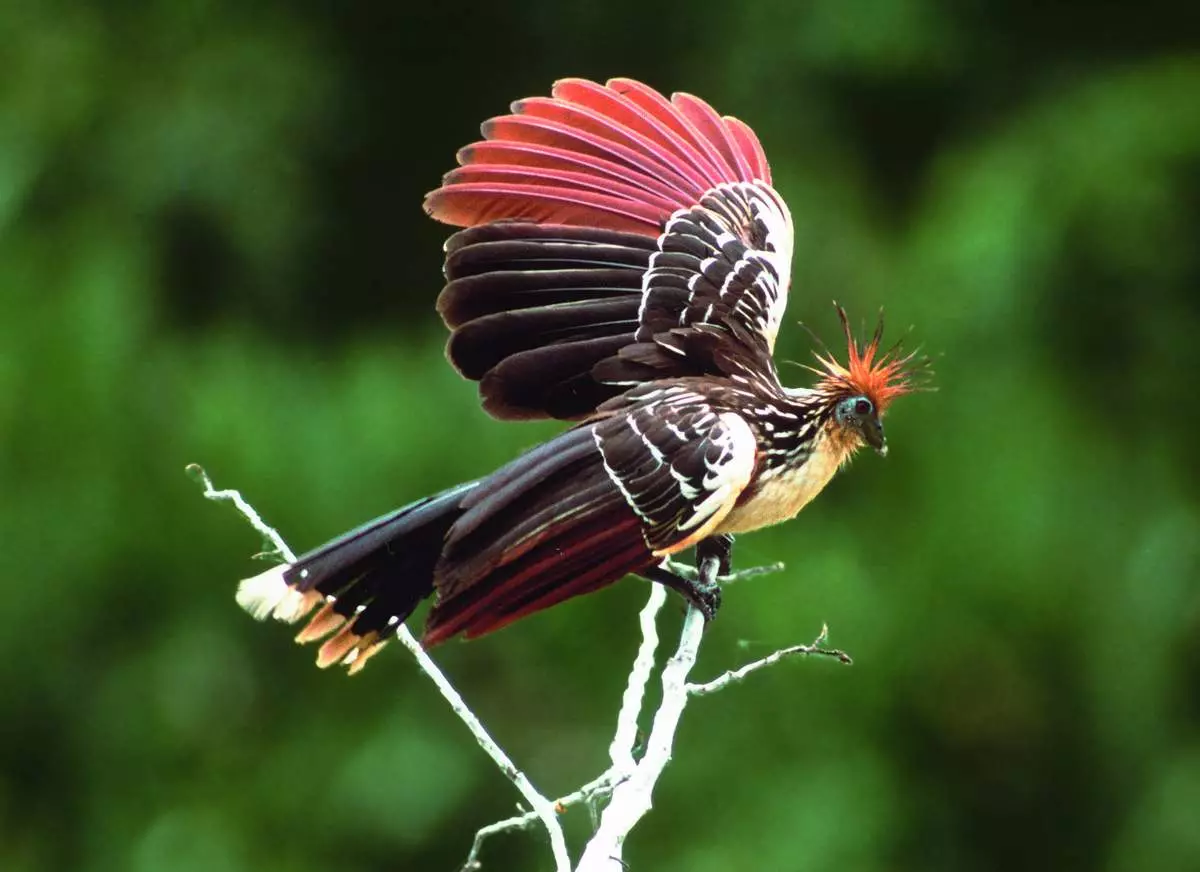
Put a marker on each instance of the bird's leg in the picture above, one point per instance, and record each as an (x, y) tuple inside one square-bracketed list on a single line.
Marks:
[(719, 546), (703, 592)]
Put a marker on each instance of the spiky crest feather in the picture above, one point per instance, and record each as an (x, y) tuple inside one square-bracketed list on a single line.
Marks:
[(880, 377)]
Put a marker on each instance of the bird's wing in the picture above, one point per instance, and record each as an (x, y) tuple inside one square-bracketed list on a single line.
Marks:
[(606, 498), (609, 228), (679, 464)]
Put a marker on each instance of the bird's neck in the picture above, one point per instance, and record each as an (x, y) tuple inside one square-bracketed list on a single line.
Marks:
[(790, 474)]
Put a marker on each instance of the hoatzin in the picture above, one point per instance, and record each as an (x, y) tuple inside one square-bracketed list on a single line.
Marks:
[(625, 266)]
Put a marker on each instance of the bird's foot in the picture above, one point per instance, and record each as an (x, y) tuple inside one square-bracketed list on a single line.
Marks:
[(719, 546), (703, 592)]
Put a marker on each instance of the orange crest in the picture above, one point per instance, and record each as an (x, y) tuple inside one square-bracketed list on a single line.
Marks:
[(879, 377)]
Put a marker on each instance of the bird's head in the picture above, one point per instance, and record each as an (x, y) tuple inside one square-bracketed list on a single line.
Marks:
[(858, 394)]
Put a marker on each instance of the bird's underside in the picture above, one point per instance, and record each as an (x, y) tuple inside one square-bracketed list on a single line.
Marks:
[(625, 265)]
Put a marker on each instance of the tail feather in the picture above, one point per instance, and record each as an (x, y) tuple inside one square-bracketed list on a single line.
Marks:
[(548, 526), (369, 580), (577, 560)]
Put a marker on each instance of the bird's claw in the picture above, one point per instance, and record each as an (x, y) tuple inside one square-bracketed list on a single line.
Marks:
[(706, 597), (705, 592)]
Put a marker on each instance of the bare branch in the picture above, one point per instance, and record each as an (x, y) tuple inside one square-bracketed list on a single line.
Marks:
[(625, 738), (542, 807), (687, 571), (628, 782), (269, 534), (590, 792), (735, 675), (631, 799)]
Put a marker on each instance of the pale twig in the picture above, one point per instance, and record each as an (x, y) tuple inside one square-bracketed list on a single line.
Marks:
[(733, 675), (269, 534), (621, 748), (689, 572), (542, 807), (631, 799), (594, 789), (620, 751)]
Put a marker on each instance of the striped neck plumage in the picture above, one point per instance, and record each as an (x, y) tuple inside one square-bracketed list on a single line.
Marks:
[(850, 400)]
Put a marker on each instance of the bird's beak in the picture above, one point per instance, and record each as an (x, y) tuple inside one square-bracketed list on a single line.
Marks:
[(872, 430)]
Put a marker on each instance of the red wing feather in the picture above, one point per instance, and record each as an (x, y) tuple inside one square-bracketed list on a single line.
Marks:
[(749, 146), (661, 108), (522, 154), (545, 131), (621, 109), (646, 157), (585, 118), (712, 132), (566, 179), (482, 202)]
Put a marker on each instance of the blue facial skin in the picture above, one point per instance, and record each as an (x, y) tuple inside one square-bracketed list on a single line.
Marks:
[(859, 414)]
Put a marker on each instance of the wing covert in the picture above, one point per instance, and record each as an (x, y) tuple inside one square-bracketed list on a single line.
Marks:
[(679, 464), (725, 263)]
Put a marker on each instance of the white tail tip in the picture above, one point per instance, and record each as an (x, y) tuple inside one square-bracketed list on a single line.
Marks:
[(267, 594)]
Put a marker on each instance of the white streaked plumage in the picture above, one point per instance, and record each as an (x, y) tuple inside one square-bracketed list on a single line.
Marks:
[(732, 472)]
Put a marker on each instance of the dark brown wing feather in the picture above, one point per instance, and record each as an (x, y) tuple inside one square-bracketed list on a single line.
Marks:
[(680, 462), (549, 526), (555, 320), (604, 220)]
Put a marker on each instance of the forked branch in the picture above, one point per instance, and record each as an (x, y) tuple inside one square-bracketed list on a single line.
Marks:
[(628, 782)]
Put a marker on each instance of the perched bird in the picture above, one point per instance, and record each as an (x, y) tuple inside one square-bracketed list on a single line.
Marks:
[(625, 265)]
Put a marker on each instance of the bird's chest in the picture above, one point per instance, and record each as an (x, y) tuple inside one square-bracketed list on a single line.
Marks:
[(781, 495)]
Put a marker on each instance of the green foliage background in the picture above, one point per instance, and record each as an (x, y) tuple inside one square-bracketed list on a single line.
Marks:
[(212, 250)]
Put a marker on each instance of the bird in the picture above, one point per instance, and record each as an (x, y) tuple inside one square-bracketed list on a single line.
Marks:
[(623, 265)]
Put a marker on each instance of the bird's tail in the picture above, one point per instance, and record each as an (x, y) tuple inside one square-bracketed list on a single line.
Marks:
[(366, 581), (548, 526)]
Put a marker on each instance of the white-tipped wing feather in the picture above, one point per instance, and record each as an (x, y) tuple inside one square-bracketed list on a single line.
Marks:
[(679, 463)]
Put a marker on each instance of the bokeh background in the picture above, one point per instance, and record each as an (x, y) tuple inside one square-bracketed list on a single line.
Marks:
[(212, 250)]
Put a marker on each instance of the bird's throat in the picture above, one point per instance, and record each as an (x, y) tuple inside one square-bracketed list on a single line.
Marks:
[(781, 494)]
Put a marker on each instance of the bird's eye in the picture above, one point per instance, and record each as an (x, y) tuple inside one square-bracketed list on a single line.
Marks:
[(862, 406)]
